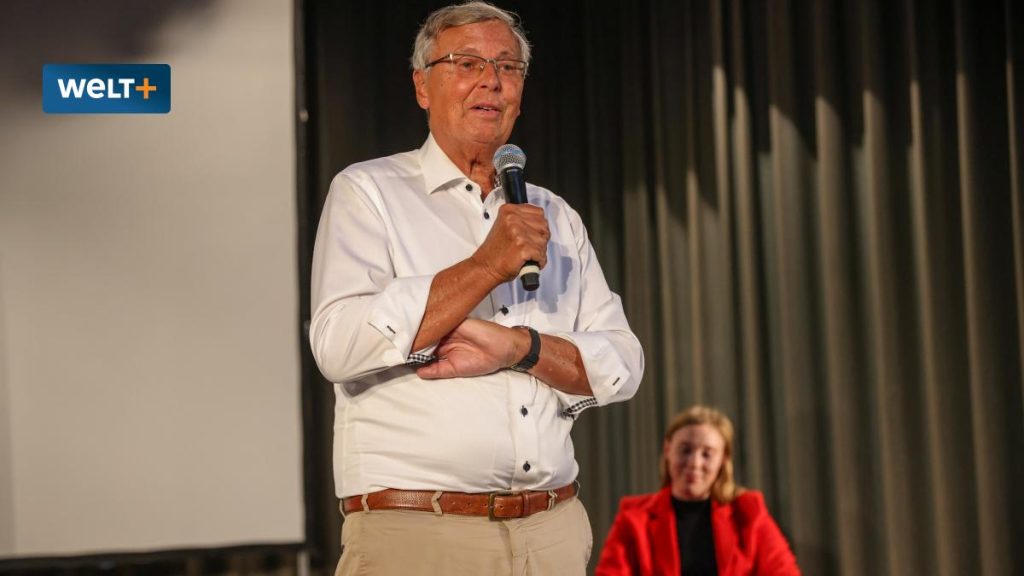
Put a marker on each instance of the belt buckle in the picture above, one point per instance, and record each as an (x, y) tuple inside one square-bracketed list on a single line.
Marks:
[(490, 502)]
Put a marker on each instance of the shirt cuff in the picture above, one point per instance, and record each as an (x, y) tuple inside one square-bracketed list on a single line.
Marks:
[(605, 369), (397, 314)]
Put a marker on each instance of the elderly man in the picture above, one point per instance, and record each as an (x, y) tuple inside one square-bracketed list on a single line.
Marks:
[(456, 388)]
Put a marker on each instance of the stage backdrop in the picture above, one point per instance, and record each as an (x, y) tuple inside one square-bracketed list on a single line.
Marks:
[(149, 336), (813, 211)]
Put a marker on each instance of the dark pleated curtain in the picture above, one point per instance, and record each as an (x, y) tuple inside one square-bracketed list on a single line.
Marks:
[(813, 212)]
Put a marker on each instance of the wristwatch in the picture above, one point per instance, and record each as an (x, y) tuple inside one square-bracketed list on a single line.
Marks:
[(531, 358)]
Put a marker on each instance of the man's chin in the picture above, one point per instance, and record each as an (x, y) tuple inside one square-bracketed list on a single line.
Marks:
[(489, 134)]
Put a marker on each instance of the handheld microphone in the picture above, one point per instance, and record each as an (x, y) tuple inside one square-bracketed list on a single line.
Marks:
[(509, 161)]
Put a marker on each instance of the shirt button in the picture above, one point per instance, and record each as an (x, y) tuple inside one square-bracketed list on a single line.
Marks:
[(487, 215), (469, 187), (504, 309), (524, 411), (526, 467)]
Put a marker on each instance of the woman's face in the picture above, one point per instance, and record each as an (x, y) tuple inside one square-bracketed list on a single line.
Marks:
[(695, 454)]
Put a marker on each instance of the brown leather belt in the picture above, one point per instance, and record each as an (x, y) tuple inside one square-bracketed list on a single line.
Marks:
[(502, 505)]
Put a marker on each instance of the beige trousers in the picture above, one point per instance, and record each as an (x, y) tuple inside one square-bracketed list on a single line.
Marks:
[(398, 543)]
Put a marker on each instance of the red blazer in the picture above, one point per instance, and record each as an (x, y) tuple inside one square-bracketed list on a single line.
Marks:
[(643, 540)]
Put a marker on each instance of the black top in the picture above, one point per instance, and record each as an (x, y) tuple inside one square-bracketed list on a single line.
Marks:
[(696, 542)]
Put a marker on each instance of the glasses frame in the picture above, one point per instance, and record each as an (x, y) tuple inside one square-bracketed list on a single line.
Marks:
[(450, 58)]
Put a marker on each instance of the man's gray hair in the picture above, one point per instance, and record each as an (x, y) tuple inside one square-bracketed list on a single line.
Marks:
[(460, 15)]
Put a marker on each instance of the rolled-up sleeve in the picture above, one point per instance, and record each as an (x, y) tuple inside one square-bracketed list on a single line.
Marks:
[(364, 319), (611, 353)]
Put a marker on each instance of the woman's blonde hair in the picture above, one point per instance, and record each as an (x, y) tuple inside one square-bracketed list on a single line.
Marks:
[(724, 489)]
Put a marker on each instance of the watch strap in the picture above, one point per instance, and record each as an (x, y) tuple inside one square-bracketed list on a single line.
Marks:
[(531, 358)]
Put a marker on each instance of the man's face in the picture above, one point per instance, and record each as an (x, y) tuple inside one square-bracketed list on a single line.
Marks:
[(469, 113)]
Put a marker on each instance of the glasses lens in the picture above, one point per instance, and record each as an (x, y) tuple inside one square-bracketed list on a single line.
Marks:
[(511, 68), (469, 65)]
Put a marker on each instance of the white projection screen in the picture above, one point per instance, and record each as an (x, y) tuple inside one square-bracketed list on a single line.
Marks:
[(149, 331)]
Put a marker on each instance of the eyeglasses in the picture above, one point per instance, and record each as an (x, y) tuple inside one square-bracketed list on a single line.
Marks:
[(471, 67)]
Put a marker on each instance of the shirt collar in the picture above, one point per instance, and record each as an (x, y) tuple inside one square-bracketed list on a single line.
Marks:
[(438, 169)]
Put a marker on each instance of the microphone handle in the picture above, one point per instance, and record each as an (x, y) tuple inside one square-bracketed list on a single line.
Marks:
[(529, 275), (513, 181)]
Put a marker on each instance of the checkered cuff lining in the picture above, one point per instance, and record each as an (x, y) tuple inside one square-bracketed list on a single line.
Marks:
[(419, 359), (574, 410)]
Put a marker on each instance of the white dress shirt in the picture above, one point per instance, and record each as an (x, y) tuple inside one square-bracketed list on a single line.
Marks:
[(388, 226)]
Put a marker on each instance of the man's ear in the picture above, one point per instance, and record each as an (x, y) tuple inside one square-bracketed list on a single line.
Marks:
[(419, 81)]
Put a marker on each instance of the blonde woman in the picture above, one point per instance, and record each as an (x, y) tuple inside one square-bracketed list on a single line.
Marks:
[(700, 523)]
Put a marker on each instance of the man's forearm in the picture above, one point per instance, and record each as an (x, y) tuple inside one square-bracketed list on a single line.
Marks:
[(454, 293), (560, 364)]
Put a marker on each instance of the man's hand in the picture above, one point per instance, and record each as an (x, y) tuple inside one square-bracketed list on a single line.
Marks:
[(474, 348), (520, 233)]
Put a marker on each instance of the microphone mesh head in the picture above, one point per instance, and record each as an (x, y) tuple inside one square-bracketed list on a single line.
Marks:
[(509, 155)]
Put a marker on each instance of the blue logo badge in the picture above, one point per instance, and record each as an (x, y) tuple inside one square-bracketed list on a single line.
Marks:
[(106, 88)]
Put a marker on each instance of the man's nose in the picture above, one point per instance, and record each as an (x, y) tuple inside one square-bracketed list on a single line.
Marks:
[(490, 75)]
